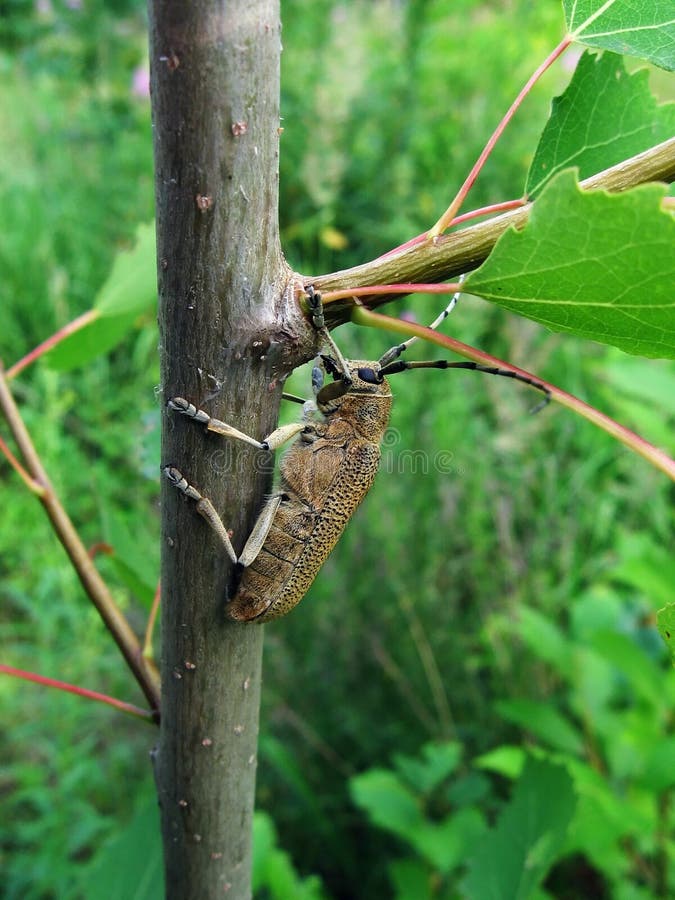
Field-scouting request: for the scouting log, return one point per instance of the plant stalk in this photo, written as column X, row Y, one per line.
column 222, row 286
column 462, row 251
column 144, row 672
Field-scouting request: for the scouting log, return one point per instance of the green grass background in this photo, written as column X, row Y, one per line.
column 414, row 630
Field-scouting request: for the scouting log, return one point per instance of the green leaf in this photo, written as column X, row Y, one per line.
column 645, row 381
column 273, row 873
column 643, row 675
column 643, row 29
column 515, row 856
column 658, row 774
column 438, row 761
column 129, row 290
column 129, row 866
column 546, row 640
column 646, row 566
column 665, row 620
column 92, row 341
column 135, row 561
column 389, row 804
column 594, row 264
column 393, row 807
column 445, row 844
column 640, row 393
column 585, row 130
column 411, row 878
column 468, row 790
column 594, row 684
column 278, row 756
column 505, row 760
column 544, row 721
column 602, row 819
column 597, row 609
column 131, row 286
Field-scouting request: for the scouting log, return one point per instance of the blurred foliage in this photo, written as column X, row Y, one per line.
column 589, row 813
column 504, row 565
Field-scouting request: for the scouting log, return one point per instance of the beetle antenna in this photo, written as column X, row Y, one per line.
column 401, row 365
column 319, row 322
column 394, row 352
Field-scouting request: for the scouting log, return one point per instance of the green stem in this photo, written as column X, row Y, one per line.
column 465, row 249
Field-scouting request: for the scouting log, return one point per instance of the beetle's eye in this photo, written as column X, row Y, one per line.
column 370, row 376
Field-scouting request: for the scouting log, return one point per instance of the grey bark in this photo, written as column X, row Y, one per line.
column 223, row 285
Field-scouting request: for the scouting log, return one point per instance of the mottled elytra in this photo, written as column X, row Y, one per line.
column 324, row 475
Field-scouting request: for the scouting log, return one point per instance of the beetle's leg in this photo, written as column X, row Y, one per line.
column 318, row 321
column 204, row 507
column 258, row 536
column 278, row 437
column 207, row 510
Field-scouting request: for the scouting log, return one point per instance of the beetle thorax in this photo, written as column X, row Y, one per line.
column 366, row 406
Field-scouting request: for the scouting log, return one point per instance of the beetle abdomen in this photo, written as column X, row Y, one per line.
column 322, row 484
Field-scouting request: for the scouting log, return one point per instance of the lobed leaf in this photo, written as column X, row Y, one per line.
column 604, row 116
column 642, row 29
column 436, row 762
column 594, row 264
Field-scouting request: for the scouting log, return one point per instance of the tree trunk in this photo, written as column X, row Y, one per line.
column 222, row 285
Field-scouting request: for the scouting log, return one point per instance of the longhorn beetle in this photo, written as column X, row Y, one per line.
column 324, row 476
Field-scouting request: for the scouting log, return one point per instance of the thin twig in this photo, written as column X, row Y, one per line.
column 148, row 652
column 80, row 322
column 30, row 483
column 430, row 666
column 490, row 210
column 145, row 672
column 446, row 219
column 401, row 680
column 459, row 220
column 122, row 705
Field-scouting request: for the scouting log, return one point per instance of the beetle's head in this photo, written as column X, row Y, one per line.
column 361, row 394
